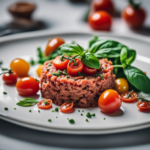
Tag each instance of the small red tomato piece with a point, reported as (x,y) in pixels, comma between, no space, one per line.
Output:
(67,107)
(109,101)
(53,44)
(60,64)
(89,71)
(27,86)
(100,20)
(10,78)
(143,106)
(45,104)
(134,17)
(74,69)
(132,98)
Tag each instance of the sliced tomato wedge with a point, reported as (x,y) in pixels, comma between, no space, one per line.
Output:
(132,98)
(105,70)
(67,107)
(60,64)
(74,69)
(45,104)
(89,71)
(143,106)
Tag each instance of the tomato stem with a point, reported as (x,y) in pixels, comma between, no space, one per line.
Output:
(8,71)
(134,5)
(143,99)
(71,59)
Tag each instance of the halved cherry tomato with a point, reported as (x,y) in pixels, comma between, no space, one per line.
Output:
(106,5)
(134,17)
(20,66)
(143,106)
(67,107)
(53,44)
(74,69)
(10,78)
(109,101)
(132,98)
(89,71)
(27,86)
(60,64)
(105,70)
(100,20)
(39,70)
(45,104)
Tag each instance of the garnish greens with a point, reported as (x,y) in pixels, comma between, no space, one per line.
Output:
(71,121)
(32,62)
(30,110)
(14,108)
(86,120)
(27,102)
(143,99)
(81,114)
(81,74)
(46,103)
(5,108)
(89,115)
(129,94)
(49,120)
(4,93)
(1,63)
(39,111)
(56,109)
(58,73)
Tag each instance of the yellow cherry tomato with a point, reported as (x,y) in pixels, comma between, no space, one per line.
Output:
(121,85)
(39,70)
(20,66)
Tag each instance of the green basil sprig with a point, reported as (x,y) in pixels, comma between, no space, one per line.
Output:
(27,102)
(87,58)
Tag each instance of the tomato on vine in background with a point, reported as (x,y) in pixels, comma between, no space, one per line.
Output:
(134,15)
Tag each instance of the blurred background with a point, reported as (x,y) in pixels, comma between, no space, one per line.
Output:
(25,16)
(31,15)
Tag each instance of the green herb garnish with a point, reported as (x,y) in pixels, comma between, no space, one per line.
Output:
(143,99)
(104,118)
(81,114)
(81,74)
(56,116)
(4,93)
(46,103)
(30,110)
(1,63)
(71,121)
(39,111)
(7,71)
(14,108)
(49,120)
(37,80)
(47,69)
(6,108)
(32,62)
(78,110)
(101,76)
(65,72)
(89,115)
(82,110)
(74,79)
(50,64)
(129,94)
(56,109)
(58,73)
(86,120)
(67,76)
(27,102)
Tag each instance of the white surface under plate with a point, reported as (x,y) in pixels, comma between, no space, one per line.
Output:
(126,119)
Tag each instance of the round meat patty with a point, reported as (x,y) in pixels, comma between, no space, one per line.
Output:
(83,91)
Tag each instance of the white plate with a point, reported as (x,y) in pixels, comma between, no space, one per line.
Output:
(127,118)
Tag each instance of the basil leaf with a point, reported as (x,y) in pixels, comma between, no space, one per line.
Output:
(109,55)
(27,102)
(71,49)
(95,39)
(131,56)
(123,56)
(116,61)
(137,78)
(91,61)
(109,44)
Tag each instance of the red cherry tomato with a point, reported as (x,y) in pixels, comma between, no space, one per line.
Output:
(45,104)
(143,106)
(106,5)
(74,69)
(27,86)
(60,64)
(67,107)
(100,20)
(53,44)
(134,17)
(132,98)
(89,71)
(10,78)
(109,101)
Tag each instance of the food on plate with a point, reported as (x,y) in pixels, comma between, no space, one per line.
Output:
(9,77)
(53,44)
(121,85)
(83,91)
(27,102)
(67,107)
(45,104)
(39,70)
(100,20)
(143,104)
(109,101)
(106,5)
(20,66)
(134,15)
(129,96)
(27,86)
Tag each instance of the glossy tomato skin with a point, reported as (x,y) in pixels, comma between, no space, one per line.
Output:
(60,64)
(20,66)
(134,17)
(109,101)
(67,107)
(10,78)
(74,69)
(53,44)
(27,86)
(143,106)
(121,85)
(89,71)
(132,98)
(39,70)
(42,105)
(105,5)
(100,20)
